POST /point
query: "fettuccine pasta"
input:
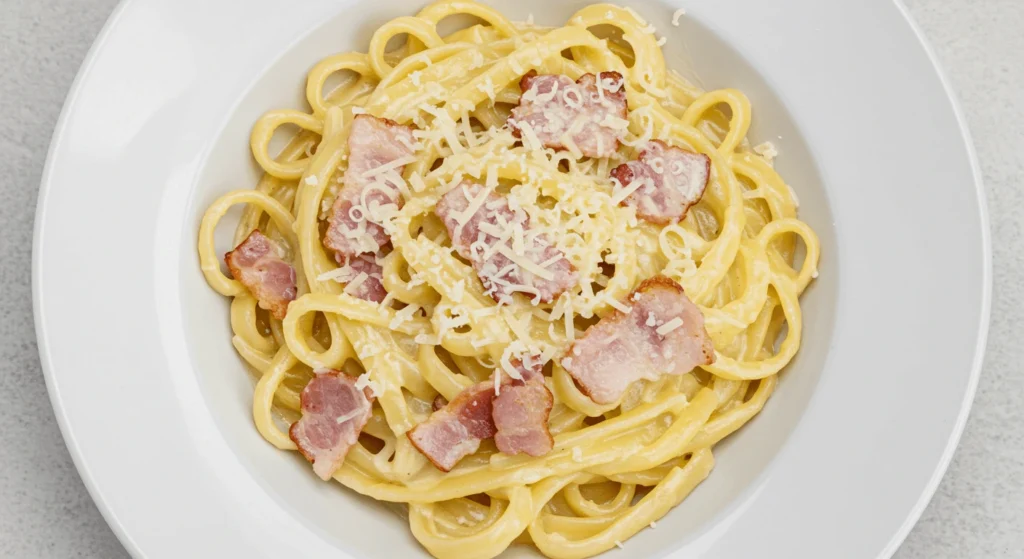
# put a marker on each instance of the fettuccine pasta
(614, 468)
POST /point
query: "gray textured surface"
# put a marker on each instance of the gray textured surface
(978, 510)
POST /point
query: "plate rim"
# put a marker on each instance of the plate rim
(126, 539)
(42, 344)
(981, 343)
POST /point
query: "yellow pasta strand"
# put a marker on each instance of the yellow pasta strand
(741, 254)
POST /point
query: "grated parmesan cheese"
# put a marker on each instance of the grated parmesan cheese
(390, 166)
(619, 306)
(356, 282)
(337, 274)
(458, 291)
(612, 121)
(767, 151)
(676, 15)
(516, 66)
(668, 326)
(530, 136)
(427, 339)
(570, 145)
(526, 264)
(364, 382)
(350, 415)
(624, 193)
(402, 316)
(487, 87)
(311, 180)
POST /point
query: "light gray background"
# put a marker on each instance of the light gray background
(978, 511)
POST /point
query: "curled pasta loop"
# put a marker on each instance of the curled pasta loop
(446, 382)
(423, 30)
(648, 70)
(263, 131)
(318, 76)
(243, 324)
(585, 507)
(733, 369)
(263, 400)
(406, 291)
(488, 542)
(739, 313)
(345, 305)
(437, 11)
(739, 123)
(669, 492)
(296, 336)
(727, 423)
(810, 263)
(207, 253)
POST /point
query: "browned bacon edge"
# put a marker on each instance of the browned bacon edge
(274, 299)
(293, 429)
(624, 174)
(480, 426)
(707, 347)
(527, 81)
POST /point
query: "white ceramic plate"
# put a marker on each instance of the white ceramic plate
(155, 405)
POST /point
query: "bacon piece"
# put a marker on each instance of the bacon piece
(517, 419)
(624, 348)
(521, 414)
(334, 412)
(373, 143)
(488, 240)
(533, 369)
(439, 402)
(591, 111)
(365, 270)
(455, 431)
(258, 263)
(672, 179)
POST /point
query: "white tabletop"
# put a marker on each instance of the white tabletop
(978, 510)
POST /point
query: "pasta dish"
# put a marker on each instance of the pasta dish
(521, 279)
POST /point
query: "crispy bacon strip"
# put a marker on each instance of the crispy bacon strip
(455, 431)
(669, 180)
(497, 239)
(369, 183)
(258, 263)
(517, 419)
(521, 414)
(334, 412)
(662, 334)
(364, 277)
(589, 113)
(439, 402)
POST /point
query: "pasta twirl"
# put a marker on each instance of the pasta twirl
(613, 468)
